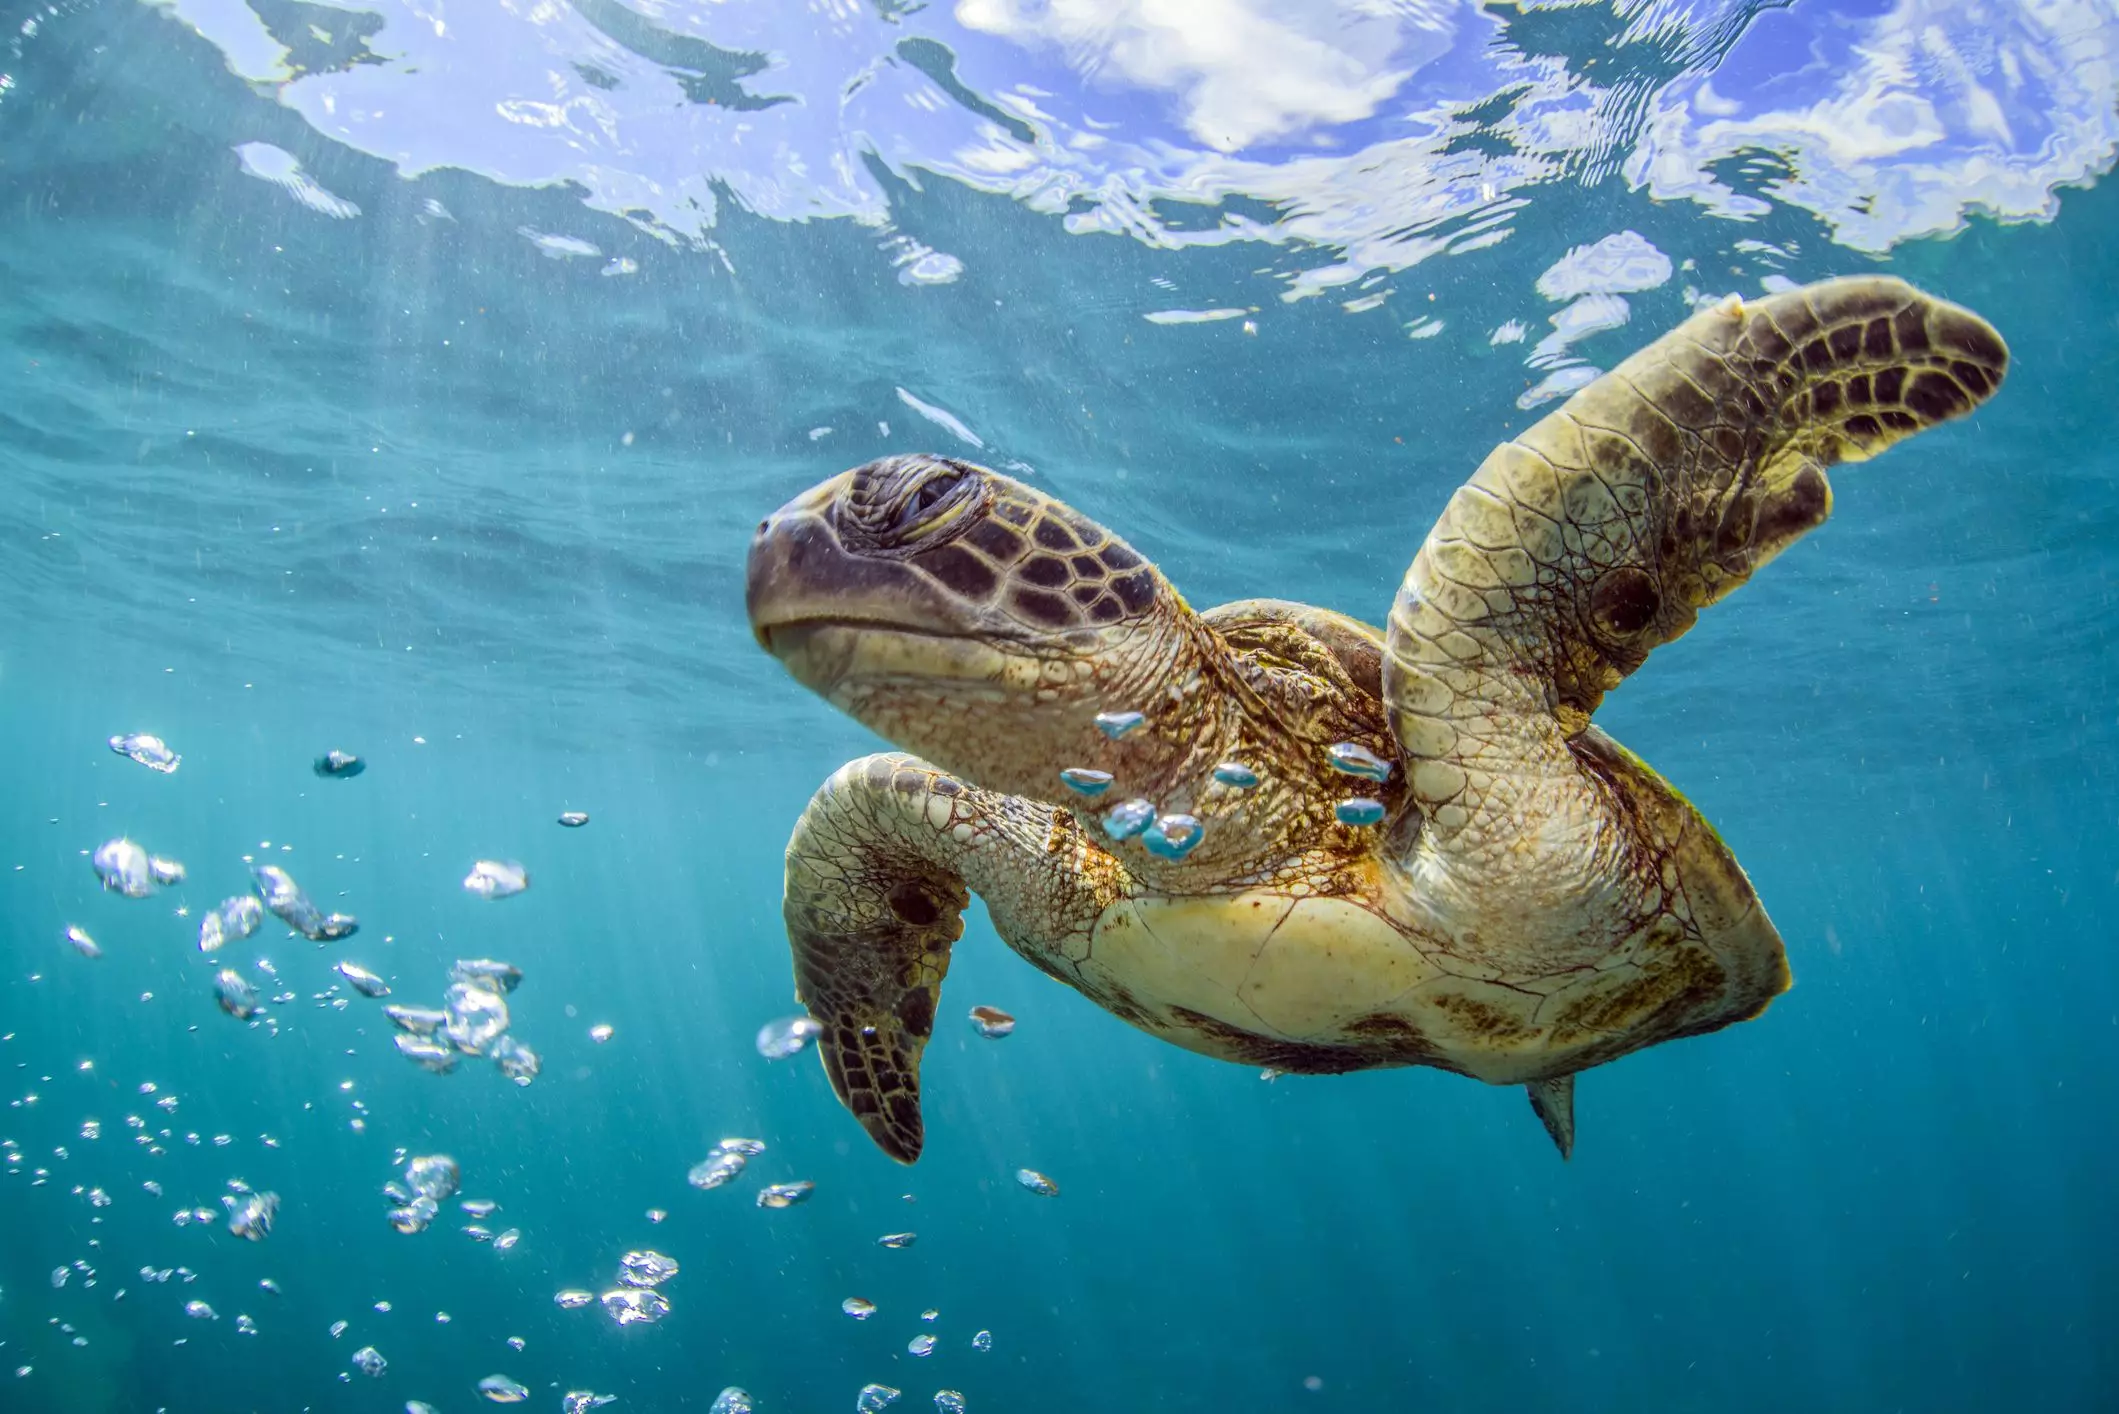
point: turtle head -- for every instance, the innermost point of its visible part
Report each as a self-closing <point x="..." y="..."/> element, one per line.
<point x="963" y="615"/>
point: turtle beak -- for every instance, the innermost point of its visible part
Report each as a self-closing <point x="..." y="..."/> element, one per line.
<point x="794" y="558"/>
<point x="802" y="577"/>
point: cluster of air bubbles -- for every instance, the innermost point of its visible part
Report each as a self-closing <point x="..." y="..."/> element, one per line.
<point x="635" y="1300"/>
<point x="126" y="868"/>
<point x="234" y="919"/>
<point x="1350" y="758"/>
<point x="430" y="1181"/>
<point x="250" y="1213"/>
<point x="725" y="1163"/>
<point x="472" y="1020"/>
<point x="1174" y="834"/>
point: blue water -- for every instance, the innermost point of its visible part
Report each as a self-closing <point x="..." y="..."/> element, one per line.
<point x="426" y="483"/>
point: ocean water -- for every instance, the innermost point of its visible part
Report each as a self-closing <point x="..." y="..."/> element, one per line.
<point x="406" y="378"/>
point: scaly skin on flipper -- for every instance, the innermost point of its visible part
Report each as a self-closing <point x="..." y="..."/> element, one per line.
<point x="1534" y="901"/>
<point x="1655" y="491"/>
<point x="877" y="873"/>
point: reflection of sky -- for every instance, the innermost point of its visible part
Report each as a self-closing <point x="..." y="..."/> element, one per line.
<point x="1387" y="131"/>
<point x="1897" y="120"/>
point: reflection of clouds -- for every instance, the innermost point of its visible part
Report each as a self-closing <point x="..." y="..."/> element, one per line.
<point x="1558" y="384"/>
<point x="1622" y="264"/>
<point x="1245" y="71"/>
<point x="1908" y="120"/>
<point x="1591" y="314"/>
<point x="1420" y="127"/>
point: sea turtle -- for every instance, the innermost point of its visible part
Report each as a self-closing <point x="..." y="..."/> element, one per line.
<point x="1530" y="900"/>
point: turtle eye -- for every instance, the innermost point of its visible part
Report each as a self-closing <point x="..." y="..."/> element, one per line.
<point x="901" y="505"/>
<point x="929" y="494"/>
<point x="930" y="501"/>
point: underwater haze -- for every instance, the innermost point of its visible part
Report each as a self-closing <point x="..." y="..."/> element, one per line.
<point x="406" y="378"/>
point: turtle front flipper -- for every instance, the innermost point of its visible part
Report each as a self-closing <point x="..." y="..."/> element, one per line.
<point x="1604" y="529"/>
<point x="879" y="870"/>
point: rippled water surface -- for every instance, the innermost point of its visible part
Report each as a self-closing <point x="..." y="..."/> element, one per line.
<point x="406" y="377"/>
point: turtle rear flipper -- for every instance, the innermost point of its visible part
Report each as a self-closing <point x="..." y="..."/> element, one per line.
<point x="1553" y="1101"/>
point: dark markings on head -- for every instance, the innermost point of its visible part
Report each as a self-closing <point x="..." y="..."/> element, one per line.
<point x="1136" y="591"/>
<point x="1046" y="571"/>
<point x="960" y="570"/>
<point x="1054" y="536"/>
<point x="1035" y="605"/>
<point x="995" y="539"/>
